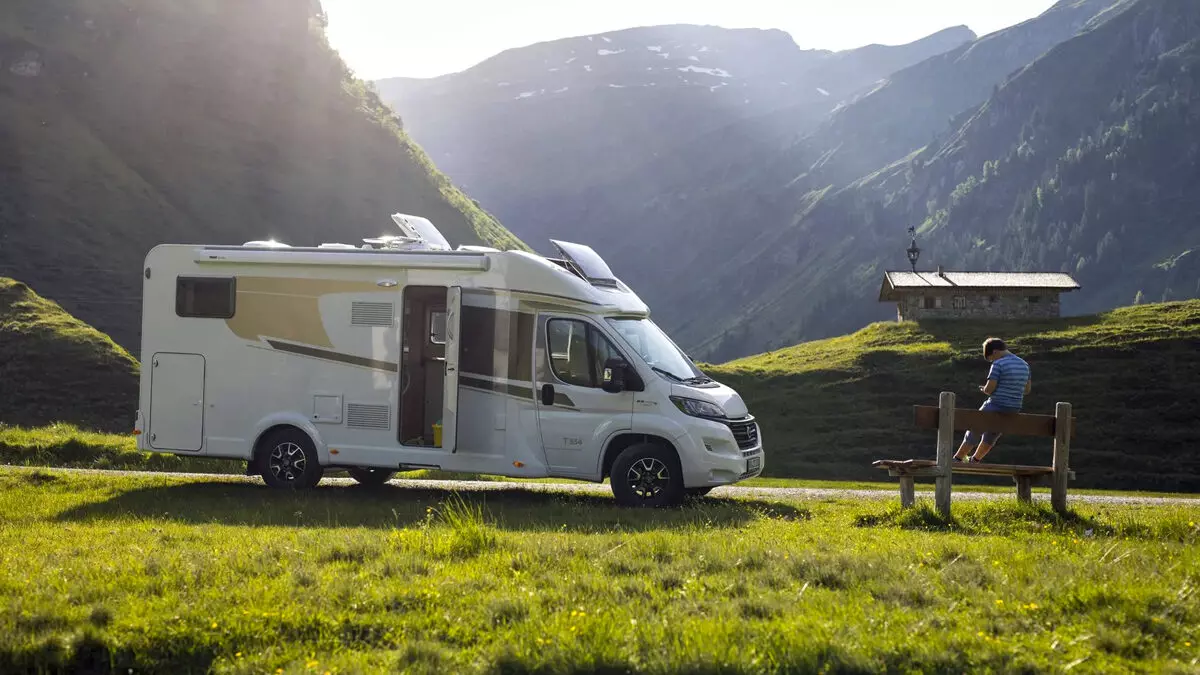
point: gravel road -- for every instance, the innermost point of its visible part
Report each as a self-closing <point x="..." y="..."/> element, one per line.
<point x="783" y="493"/>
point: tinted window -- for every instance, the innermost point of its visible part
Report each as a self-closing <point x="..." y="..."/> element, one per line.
<point x="578" y="352"/>
<point x="205" y="297"/>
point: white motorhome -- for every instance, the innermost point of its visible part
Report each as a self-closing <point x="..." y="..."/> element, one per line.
<point x="300" y="360"/>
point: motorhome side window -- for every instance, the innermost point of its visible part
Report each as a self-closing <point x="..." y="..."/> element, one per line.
<point x="578" y="352"/>
<point x="205" y="297"/>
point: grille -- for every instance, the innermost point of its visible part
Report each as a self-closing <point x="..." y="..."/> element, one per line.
<point x="745" y="432"/>
<point x="368" y="416"/>
<point x="372" y="313"/>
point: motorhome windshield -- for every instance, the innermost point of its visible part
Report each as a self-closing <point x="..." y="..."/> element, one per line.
<point x="657" y="349"/>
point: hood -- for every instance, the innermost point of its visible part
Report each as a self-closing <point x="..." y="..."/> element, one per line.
<point x="728" y="399"/>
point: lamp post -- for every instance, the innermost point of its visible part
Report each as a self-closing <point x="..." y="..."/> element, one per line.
<point x="913" y="251"/>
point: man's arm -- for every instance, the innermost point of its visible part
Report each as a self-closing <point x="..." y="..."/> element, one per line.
<point x="1028" y="385"/>
<point x="993" y="381"/>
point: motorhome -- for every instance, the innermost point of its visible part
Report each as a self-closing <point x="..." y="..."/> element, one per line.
<point x="404" y="353"/>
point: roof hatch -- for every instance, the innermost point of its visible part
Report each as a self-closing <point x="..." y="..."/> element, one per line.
<point x="418" y="230"/>
<point x="586" y="263"/>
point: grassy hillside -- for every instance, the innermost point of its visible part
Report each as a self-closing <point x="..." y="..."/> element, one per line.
<point x="54" y="367"/>
<point x="124" y="124"/>
<point x="830" y="407"/>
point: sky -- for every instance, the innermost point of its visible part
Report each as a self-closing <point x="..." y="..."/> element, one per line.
<point x="425" y="38"/>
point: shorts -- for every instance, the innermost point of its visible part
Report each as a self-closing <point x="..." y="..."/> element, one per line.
<point x="989" y="437"/>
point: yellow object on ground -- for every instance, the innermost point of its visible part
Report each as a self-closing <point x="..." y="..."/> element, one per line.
<point x="437" y="435"/>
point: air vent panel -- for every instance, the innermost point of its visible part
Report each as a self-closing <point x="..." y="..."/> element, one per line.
<point x="368" y="416"/>
<point x="372" y="314"/>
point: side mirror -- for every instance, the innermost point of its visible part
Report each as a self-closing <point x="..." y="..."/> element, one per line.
<point x="613" y="380"/>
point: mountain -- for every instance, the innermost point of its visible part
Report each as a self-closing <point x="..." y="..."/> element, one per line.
<point x="55" y="368"/>
<point x="829" y="408"/>
<point x="127" y="124"/>
<point x="1081" y="162"/>
<point x="527" y="129"/>
<point x="745" y="240"/>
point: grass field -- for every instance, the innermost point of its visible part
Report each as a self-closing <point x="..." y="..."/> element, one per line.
<point x="171" y="574"/>
<point x="830" y="407"/>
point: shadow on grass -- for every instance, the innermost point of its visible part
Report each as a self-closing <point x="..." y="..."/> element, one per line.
<point x="92" y="653"/>
<point x="993" y="518"/>
<point x="390" y="506"/>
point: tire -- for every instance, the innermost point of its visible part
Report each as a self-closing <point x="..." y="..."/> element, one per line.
<point x="647" y="476"/>
<point x="697" y="493"/>
<point x="289" y="460"/>
<point x="369" y="477"/>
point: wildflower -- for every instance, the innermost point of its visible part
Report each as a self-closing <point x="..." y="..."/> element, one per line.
<point x="999" y="602"/>
<point x="633" y="622"/>
<point x="1191" y="523"/>
<point x="980" y="633"/>
<point x="1187" y="644"/>
<point x="214" y="625"/>
<point x="238" y="655"/>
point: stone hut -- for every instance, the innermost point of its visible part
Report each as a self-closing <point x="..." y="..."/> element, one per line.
<point x="972" y="295"/>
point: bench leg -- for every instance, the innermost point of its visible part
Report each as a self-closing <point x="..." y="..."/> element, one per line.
<point x="1024" y="488"/>
<point x="908" y="490"/>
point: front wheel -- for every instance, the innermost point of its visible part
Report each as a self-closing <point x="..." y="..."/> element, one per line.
<point x="289" y="460"/>
<point x="370" y="477"/>
<point x="647" y="475"/>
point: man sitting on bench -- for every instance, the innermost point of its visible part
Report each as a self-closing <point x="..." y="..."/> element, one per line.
<point x="1008" y="382"/>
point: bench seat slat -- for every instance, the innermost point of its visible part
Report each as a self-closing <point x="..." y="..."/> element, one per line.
<point x="972" y="469"/>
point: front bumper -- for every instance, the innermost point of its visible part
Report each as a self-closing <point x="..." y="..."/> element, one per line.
<point x="712" y="455"/>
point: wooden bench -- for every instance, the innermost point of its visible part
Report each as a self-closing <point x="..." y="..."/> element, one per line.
<point x="948" y="420"/>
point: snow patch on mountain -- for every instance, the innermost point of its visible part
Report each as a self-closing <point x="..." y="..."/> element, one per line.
<point x="715" y="72"/>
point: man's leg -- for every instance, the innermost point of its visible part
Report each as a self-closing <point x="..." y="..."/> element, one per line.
<point x="989" y="441"/>
<point x="969" y="441"/>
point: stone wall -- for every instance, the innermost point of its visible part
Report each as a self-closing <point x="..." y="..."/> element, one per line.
<point x="960" y="304"/>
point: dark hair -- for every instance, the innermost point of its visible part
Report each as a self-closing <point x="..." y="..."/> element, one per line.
<point x="993" y="345"/>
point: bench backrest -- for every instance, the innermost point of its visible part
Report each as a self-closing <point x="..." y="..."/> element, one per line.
<point x="1016" y="424"/>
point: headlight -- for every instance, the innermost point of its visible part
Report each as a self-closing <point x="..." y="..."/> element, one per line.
<point x="696" y="408"/>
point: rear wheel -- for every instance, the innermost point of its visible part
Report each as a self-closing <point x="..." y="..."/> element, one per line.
<point x="647" y="475"/>
<point x="289" y="460"/>
<point x="370" y="477"/>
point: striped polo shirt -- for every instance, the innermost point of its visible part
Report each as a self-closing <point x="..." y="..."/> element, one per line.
<point x="1010" y="373"/>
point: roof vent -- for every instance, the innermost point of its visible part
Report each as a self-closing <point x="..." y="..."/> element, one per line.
<point x="941" y="272"/>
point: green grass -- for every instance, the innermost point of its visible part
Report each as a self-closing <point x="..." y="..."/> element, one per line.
<point x="830" y="407"/>
<point x="54" y="367"/>
<point x="171" y="574"/>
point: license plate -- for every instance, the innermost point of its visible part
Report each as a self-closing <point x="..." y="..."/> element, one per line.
<point x="753" y="463"/>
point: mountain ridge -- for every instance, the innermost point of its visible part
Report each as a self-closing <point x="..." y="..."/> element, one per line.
<point x="578" y="111"/>
<point x="1074" y="165"/>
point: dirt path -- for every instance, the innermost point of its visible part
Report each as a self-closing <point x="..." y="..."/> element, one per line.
<point x="785" y="493"/>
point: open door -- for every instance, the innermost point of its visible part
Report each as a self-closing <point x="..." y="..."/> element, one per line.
<point x="453" y="347"/>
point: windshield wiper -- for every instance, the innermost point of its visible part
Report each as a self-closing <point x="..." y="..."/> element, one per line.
<point x="699" y="379"/>
<point x="668" y="373"/>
